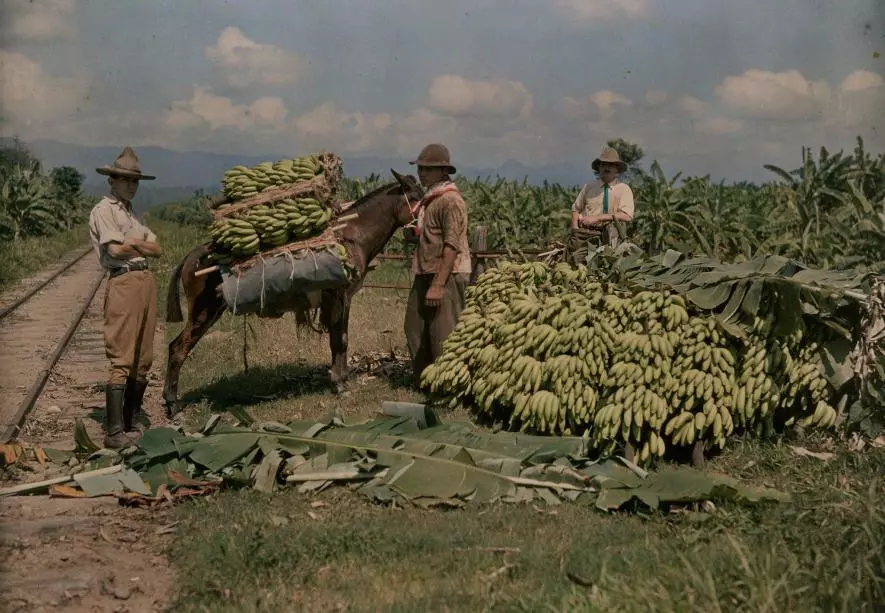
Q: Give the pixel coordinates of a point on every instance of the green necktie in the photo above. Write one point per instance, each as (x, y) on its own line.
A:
(605, 199)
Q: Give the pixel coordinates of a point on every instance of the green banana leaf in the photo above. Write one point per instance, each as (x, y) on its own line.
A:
(399, 457)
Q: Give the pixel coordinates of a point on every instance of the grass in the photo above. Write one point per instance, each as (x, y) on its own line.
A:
(335, 551)
(18, 259)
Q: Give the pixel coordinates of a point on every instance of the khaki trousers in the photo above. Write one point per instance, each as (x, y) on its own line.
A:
(130, 316)
(428, 327)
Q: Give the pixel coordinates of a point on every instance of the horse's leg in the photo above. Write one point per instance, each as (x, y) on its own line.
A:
(206, 310)
(338, 306)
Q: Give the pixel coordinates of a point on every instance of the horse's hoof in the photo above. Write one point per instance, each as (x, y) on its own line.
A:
(173, 409)
(340, 387)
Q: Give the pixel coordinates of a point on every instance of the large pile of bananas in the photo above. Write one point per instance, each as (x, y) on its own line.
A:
(552, 351)
(241, 182)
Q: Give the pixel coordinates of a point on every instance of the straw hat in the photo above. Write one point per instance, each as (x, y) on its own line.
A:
(126, 165)
(611, 156)
(435, 155)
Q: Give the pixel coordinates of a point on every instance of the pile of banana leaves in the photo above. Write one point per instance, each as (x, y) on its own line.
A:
(404, 455)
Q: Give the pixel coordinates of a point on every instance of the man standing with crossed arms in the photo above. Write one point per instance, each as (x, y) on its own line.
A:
(123, 245)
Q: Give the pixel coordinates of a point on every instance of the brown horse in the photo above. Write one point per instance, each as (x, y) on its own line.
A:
(380, 214)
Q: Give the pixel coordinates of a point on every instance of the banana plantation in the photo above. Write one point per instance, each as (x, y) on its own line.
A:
(36, 203)
(828, 213)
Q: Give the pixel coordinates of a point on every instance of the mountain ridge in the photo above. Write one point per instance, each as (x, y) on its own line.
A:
(179, 169)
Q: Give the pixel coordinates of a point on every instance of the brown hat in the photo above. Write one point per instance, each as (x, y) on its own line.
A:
(435, 155)
(611, 156)
(126, 165)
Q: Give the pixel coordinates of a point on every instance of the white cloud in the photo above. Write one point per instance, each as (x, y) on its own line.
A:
(246, 62)
(455, 96)
(719, 126)
(596, 11)
(693, 106)
(31, 20)
(859, 101)
(785, 95)
(656, 97)
(345, 131)
(29, 96)
(204, 107)
(601, 105)
(861, 80)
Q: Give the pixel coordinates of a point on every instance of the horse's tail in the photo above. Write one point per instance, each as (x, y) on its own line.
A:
(173, 302)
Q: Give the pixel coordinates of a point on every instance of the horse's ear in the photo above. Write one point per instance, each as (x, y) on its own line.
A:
(401, 179)
(408, 183)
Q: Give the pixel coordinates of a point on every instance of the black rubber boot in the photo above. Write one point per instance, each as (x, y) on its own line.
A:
(134, 418)
(115, 435)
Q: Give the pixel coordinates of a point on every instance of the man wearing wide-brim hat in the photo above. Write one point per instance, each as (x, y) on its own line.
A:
(123, 246)
(602, 202)
(441, 262)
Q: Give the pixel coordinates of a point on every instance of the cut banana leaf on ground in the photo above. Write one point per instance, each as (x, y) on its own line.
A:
(398, 457)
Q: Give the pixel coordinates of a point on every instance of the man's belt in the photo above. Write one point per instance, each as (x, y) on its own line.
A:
(122, 270)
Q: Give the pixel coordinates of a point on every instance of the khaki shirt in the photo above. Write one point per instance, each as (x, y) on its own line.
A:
(589, 200)
(110, 221)
(442, 222)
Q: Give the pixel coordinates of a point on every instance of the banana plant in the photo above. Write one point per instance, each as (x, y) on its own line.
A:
(25, 204)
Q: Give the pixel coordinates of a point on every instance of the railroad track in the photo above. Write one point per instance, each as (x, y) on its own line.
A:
(35, 331)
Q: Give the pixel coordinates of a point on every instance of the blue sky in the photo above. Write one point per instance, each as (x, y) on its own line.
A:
(716, 86)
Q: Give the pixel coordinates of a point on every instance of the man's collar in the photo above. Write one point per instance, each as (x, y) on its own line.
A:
(614, 182)
(119, 201)
(439, 184)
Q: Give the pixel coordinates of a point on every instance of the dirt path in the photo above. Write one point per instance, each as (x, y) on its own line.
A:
(78, 554)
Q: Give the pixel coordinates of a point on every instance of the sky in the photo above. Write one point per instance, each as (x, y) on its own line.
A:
(716, 87)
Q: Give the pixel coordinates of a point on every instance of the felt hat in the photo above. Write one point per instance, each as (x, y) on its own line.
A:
(611, 156)
(437, 155)
(126, 165)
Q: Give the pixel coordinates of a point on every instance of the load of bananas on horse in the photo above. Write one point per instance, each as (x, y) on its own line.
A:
(657, 353)
(268, 226)
(243, 229)
(241, 181)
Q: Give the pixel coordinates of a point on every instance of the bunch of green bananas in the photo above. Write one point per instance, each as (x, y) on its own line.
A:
(236, 237)
(550, 350)
(266, 226)
(241, 182)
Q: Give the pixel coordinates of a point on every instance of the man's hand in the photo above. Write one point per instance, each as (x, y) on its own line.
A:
(434, 295)
(595, 220)
(143, 247)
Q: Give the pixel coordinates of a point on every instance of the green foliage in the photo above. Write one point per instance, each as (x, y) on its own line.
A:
(829, 213)
(67, 183)
(191, 212)
(34, 204)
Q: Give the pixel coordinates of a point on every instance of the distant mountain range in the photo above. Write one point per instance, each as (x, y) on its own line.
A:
(180, 173)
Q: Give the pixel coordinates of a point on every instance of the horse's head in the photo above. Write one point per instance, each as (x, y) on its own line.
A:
(407, 210)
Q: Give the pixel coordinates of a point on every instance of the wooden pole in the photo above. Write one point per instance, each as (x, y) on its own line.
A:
(206, 271)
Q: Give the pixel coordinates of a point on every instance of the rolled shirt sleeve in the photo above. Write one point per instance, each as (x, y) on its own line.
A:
(626, 202)
(578, 204)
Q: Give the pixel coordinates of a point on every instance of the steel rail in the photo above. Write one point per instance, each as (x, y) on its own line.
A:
(30, 400)
(22, 299)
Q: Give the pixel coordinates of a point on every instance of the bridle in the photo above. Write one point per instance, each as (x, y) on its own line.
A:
(414, 208)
